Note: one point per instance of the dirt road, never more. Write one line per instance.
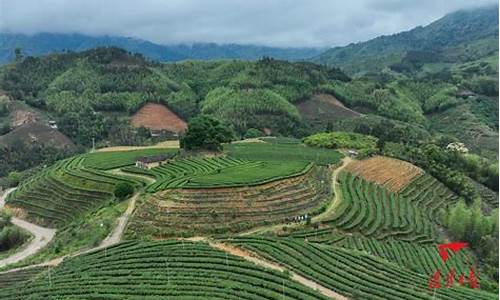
(271, 265)
(113, 238)
(116, 235)
(336, 191)
(329, 210)
(42, 236)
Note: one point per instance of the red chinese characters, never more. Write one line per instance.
(444, 252)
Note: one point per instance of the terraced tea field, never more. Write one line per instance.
(375, 212)
(354, 274)
(10, 279)
(117, 159)
(65, 191)
(423, 259)
(283, 152)
(75, 186)
(187, 212)
(217, 172)
(160, 270)
(487, 195)
(375, 239)
(392, 173)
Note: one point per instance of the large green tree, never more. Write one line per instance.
(205, 132)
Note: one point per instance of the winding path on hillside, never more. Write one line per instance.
(45, 236)
(113, 238)
(116, 235)
(336, 191)
(322, 216)
(42, 236)
(254, 258)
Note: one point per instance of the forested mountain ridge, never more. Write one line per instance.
(424, 97)
(261, 94)
(132, 170)
(47, 43)
(442, 37)
(92, 84)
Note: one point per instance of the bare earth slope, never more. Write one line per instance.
(394, 174)
(37, 132)
(323, 108)
(158, 117)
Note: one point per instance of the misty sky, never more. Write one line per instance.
(263, 22)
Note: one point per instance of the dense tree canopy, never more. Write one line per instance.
(205, 133)
(123, 189)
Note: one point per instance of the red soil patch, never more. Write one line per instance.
(392, 173)
(158, 117)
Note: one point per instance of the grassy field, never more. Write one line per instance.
(283, 152)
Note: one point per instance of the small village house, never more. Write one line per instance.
(352, 153)
(148, 162)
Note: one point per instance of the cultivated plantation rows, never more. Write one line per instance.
(9, 279)
(161, 270)
(213, 172)
(116, 159)
(187, 212)
(179, 173)
(63, 191)
(430, 195)
(352, 273)
(392, 173)
(276, 149)
(255, 208)
(75, 186)
(375, 212)
(423, 259)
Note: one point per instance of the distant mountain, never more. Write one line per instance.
(46, 43)
(457, 37)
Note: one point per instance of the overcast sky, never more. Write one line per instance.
(264, 22)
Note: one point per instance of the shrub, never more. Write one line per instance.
(123, 189)
(253, 133)
(10, 237)
(14, 177)
(341, 140)
(4, 219)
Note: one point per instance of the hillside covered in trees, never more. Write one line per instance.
(458, 37)
(370, 172)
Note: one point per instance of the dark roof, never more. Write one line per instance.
(152, 159)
